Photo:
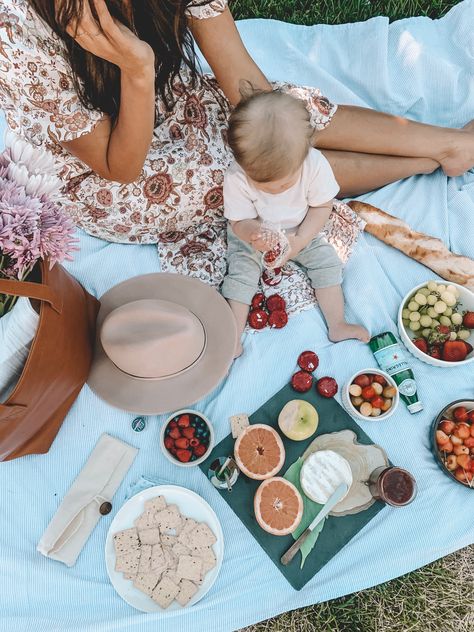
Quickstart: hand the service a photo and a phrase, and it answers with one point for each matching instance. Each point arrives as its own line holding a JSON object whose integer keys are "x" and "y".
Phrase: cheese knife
{"x": 335, "y": 497}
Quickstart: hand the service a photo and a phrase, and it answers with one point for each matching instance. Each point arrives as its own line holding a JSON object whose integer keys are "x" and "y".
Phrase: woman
{"x": 111, "y": 88}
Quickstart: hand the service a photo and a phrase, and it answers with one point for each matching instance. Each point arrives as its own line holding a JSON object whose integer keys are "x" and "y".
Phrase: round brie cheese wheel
{"x": 322, "y": 473}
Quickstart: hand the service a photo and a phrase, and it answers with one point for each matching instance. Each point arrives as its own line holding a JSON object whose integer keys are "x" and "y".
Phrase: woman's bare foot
{"x": 460, "y": 158}
{"x": 345, "y": 331}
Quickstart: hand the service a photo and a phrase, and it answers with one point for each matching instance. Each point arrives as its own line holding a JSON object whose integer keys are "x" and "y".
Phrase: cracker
{"x": 168, "y": 540}
{"x": 158, "y": 561}
{"x": 208, "y": 558}
{"x": 168, "y": 519}
{"x": 238, "y": 423}
{"x": 150, "y": 536}
{"x": 146, "y": 520}
{"x": 187, "y": 590}
{"x": 156, "y": 504}
{"x": 173, "y": 576}
{"x": 201, "y": 536}
{"x": 145, "y": 558}
{"x": 180, "y": 549}
{"x": 146, "y": 582}
{"x": 189, "y": 567}
{"x": 126, "y": 541}
{"x": 183, "y": 534}
{"x": 165, "y": 592}
{"x": 170, "y": 559}
{"x": 186, "y": 525}
{"x": 128, "y": 563}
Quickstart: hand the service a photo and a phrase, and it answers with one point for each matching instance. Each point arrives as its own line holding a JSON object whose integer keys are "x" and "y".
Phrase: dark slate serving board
{"x": 338, "y": 531}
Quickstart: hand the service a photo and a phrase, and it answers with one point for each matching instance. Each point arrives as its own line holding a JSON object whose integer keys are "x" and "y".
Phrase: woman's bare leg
{"x": 368, "y": 131}
{"x": 360, "y": 173}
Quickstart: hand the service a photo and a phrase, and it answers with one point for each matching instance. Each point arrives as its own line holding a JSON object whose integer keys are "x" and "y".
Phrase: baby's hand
{"x": 296, "y": 246}
{"x": 258, "y": 241}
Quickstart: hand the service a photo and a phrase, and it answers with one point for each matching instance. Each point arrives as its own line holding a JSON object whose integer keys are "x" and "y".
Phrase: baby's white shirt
{"x": 315, "y": 186}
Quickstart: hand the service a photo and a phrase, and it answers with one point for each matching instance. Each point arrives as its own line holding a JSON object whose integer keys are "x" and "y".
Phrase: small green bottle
{"x": 391, "y": 359}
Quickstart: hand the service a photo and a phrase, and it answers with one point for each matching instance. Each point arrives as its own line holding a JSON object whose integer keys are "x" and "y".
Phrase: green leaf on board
{"x": 310, "y": 511}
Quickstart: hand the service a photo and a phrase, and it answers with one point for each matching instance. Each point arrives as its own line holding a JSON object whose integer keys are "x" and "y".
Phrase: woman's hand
{"x": 111, "y": 40}
{"x": 117, "y": 150}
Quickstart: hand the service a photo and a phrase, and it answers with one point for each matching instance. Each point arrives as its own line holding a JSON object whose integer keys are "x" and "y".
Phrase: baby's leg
{"x": 241, "y": 282}
{"x": 331, "y": 302}
{"x": 324, "y": 270}
{"x": 241, "y": 312}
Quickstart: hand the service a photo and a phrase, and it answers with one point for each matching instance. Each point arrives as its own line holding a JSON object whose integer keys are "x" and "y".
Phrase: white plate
{"x": 190, "y": 505}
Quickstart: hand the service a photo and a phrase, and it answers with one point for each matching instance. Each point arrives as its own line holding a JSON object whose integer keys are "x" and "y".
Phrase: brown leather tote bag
{"x": 57, "y": 365}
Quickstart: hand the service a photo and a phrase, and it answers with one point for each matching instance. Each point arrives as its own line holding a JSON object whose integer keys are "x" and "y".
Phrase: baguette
{"x": 428, "y": 250}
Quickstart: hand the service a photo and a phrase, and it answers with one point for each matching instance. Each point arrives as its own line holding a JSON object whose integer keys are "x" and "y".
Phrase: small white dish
{"x": 169, "y": 456}
{"x": 192, "y": 506}
{"x": 466, "y": 298}
{"x": 352, "y": 410}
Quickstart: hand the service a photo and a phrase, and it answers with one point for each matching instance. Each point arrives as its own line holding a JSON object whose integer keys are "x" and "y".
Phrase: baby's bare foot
{"x": 460, "y": 158}
{"x": 238, "y": 350}
{"x": 344, "y": 331}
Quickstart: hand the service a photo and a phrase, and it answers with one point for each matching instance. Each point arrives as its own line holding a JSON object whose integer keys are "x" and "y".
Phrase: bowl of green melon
{"x": 436, "y": 323}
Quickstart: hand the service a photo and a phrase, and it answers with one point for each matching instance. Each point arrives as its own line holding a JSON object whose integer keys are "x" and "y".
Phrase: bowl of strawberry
{"x": 436, "y": 323}
{"x": 452, "y": 436}
{"x": 187, "y": 437}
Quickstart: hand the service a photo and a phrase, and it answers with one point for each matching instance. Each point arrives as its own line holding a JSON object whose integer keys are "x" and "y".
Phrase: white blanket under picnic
{"x": 420, "y": 68}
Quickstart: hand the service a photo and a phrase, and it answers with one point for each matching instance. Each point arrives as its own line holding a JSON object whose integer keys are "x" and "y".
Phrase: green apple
{"x": 298, "y": 419}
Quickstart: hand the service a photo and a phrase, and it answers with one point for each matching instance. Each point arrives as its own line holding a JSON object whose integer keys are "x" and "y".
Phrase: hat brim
{"x": 151, "y": 397}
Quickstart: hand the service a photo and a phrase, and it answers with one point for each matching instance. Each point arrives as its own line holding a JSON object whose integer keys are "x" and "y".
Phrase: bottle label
{"x": 391, "y": 359}
{"x": 407, "y": 388}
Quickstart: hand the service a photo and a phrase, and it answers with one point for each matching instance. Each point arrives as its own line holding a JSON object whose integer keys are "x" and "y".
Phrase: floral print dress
{"x": 177, "y": 201}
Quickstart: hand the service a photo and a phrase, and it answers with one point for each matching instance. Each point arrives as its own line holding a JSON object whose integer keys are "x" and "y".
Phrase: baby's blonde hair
{"x": 269, "y": 134}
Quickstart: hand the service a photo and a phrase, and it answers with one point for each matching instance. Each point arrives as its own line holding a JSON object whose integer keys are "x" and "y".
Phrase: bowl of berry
{"x": 452, "y": 437}
{"x": 187, "y": 437}
{"x": 370, "y": 394}
{"x": 436, "y": 323}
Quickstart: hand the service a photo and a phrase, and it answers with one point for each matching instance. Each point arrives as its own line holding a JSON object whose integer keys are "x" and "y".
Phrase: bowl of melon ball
{"x": 370, "y": 395}
{"x": 436, "y": 323}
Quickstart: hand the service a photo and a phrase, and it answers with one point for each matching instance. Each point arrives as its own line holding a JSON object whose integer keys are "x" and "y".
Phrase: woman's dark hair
{"x": 160, "y": 23}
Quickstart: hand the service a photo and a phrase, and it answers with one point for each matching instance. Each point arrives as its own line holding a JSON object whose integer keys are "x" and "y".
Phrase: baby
{"x": 279, "y": 177}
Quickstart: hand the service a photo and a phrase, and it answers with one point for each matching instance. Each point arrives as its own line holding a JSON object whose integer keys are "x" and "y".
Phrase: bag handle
{"x": 32, "y": 290}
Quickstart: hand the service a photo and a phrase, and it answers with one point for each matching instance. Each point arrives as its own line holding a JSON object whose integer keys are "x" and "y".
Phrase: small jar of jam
{"x": 392, "y": 485}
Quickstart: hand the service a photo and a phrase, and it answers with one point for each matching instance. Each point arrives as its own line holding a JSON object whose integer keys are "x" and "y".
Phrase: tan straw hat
{"x": 163, "y": 342}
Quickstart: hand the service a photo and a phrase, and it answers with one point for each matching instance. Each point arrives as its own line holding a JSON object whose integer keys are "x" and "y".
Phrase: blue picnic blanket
{"x": 416, "y": 67}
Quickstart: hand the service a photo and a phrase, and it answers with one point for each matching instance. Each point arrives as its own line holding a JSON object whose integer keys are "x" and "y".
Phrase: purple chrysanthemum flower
{"x": 32, "y": 226}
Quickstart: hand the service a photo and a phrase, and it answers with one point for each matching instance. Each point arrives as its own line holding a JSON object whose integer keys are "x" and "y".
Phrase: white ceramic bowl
{"x": 173, "y": 459}
{"x": 352, "y": 410}
{"x": 466, "y": 298}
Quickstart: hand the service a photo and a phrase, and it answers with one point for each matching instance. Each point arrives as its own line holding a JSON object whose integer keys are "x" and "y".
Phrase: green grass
{"x": 438, "y": 597}
{"x": 337, "y": 11}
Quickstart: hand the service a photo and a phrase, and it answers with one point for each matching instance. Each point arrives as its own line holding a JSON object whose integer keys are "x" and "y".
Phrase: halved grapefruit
{"x": 278, "y": 506}
{"x": 259, "y": 452}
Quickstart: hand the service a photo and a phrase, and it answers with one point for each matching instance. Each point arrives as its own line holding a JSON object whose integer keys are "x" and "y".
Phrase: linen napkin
{"x": 79, "y": 512}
